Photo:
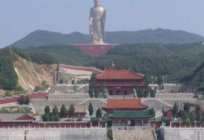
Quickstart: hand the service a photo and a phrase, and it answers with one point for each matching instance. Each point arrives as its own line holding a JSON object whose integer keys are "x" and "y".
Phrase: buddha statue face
{"x": 97, "y": 3}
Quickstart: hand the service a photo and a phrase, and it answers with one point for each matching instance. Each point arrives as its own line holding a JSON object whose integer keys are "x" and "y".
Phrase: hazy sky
{"x": 20, "y": 17}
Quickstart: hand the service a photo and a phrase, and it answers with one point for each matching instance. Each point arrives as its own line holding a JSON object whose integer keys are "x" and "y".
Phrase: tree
{"x": 175, "y": 109}
{"x": 55, "y": 110}
{"x": 46, "y": 117}
{"x": 91, "y": 109}
{"x": 160, "y": 135}
{"x": 187, "y": 118}
{"x": 103, "y": 91}
{"x": 23, "y": 100}
{"x": 152, "y": 93}
{"x": 199, "y": 116}
{"x": 55, "y": 114}
{"x": 152, "y": 112}
{"x": 52, "y": 117}
{"x": 140, "y": 93}
{"x": 160, "y": 81}
{"x": 98, "y": 113}
{"x": 56, "y": 117}
{"x": 110, "y": 134}
{"x": 19, "y": 90}
{"x": 147, "y": 79}
{"x": 146, "y": 92}
{"x": 27, "y": 100}
{"x": 188, "y": 121}
{"x": 91, "y": 92}
{"x": 47, "y": 110}
{"x": 197, "y": 108}
{"x": 93, "y": 79}
{"x": 187, "y": 107}
{"x": 71, "y": 110}
{"x": 63, "y": 110}
{"x": 96, "y": 93}
{"x": 42, "y": 87}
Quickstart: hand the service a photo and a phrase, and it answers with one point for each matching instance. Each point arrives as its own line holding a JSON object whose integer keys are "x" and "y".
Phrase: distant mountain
{"x": 45, "y": 38}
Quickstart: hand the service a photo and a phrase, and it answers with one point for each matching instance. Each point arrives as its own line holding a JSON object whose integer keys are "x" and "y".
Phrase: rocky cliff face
{"x": 32, "y": 74}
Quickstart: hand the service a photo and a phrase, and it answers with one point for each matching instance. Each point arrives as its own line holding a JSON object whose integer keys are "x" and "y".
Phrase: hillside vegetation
{"x": 8, "y": 77}
{"x": 17, "y": 73}
{"x": 195, "y": 80}
{"x": 46, "y": 38}
{"x": 170, "y": 61}
{"x": 56, "y": 54}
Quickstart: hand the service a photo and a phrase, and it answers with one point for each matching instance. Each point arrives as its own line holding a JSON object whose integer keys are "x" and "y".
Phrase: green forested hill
{"x": 165, "y": 36}
{"x": 57, "y": 54}
{"x": 174, "y": 62}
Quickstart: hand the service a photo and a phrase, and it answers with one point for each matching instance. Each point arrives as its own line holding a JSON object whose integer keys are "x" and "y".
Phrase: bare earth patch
{"x": 31, "y": 74}
{"x": 2, "y": 93}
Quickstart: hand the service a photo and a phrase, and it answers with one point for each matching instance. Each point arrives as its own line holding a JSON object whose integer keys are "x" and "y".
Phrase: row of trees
{"x": 91, "y": 111}
{"x": 141, "y": 93}
{"x": 51, "y": 115}
{"x": 187, "y": 114}
{"x": 147, "y": 92}
{"x": 156, "y": 79}
{"x": 55, "y": 115}
{"x": 97, "y": 93}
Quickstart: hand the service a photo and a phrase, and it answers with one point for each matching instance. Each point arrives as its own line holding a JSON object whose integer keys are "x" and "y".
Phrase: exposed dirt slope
{"x": 32, "y": 74}
{"x": 1, "y": 92}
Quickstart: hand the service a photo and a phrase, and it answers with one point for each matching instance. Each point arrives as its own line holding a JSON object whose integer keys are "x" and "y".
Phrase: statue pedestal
{"x": 94, "y": 50}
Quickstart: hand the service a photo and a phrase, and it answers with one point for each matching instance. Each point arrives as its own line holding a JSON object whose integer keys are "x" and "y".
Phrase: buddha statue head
{"x": 97, "y": 3}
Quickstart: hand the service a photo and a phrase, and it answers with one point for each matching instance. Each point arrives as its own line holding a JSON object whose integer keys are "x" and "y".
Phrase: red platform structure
{"x": 94, "y": 50}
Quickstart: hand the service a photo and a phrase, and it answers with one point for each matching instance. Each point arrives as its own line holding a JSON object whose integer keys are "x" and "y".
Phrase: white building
{"x": 68, "y": 74}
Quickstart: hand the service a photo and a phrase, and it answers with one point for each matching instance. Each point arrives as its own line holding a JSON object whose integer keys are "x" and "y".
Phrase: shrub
{"x": 23, "y": 100}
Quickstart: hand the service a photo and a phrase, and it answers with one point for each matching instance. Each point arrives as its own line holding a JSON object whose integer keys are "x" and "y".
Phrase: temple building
{"x": 128, "y": 112}
{"x": 119, "y": 82}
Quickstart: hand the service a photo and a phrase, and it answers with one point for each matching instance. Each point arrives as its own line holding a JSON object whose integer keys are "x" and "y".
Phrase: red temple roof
{"x": 25, "y": 117}
{"x": 114, "y": 74}
{"x": 125, "y": 104}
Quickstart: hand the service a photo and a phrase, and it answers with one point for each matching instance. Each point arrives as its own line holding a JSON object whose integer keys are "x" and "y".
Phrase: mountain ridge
{"x": 165, "y": 36}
